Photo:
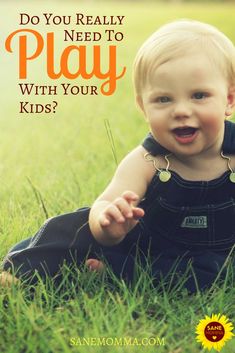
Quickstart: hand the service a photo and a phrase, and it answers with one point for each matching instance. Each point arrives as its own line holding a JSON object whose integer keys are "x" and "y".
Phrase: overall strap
{"x": 152, "y": 146}
{"x": 229, "y": 138}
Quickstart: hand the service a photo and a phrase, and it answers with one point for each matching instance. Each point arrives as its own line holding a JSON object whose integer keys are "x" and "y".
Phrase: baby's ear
{"x": 230, "y": 101}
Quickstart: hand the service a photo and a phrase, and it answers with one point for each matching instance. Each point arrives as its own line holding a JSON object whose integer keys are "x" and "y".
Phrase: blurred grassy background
{"x": 67, "y": 157}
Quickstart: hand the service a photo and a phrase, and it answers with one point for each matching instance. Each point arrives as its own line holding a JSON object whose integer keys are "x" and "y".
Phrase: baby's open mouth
{"x": 185, "y": 131}
{"x": 185, "y": 134}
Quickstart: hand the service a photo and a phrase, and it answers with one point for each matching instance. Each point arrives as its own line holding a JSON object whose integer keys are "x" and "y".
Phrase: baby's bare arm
{"x": 116, "y": 210}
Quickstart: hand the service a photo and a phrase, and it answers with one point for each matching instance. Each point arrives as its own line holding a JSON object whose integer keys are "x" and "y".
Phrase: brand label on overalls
{"x": 194, "y": 222}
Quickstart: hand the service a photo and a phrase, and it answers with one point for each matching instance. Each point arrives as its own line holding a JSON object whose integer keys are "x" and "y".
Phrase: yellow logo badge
{"x": 214, "y": 331}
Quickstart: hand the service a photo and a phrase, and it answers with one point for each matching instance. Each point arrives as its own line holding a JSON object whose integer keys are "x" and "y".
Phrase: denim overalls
{"x": 188, "y": 227}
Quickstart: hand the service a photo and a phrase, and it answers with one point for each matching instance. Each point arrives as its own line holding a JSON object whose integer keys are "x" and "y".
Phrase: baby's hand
{"x": 120, "y": 216}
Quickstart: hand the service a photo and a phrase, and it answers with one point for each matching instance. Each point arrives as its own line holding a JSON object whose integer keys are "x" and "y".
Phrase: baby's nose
{"x": 181, "y": 110}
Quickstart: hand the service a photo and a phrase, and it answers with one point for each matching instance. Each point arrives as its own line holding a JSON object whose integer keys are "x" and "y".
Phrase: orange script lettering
{"x": 110, "y": 76}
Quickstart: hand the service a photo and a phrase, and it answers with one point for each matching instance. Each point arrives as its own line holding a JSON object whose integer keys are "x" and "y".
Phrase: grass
{"x": 52, "y": 165}
{"x": 87, "y": 305}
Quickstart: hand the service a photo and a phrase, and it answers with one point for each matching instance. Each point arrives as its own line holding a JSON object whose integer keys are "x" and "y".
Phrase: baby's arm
{"x": 115, "y": 212}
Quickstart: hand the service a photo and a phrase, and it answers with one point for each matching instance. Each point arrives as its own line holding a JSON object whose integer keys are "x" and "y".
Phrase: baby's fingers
{"x": 137, "y": 212}
{"x": 130, "y": 196}
{"x": 124, "y": 207}
{"x": 111, "y": 213}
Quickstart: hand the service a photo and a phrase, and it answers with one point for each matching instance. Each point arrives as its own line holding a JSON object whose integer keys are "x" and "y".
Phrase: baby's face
{"x": 185, "y": 104}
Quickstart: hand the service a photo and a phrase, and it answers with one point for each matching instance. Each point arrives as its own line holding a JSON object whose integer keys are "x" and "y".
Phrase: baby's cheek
{"x": 214, "y": 121}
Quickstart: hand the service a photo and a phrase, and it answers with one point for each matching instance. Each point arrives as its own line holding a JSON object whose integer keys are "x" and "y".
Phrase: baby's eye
{"x": 200, "y": 95}
{"x": 163, "y": 99}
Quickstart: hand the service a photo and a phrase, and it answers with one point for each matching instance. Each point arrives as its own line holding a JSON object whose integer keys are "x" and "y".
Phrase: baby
{"x": 172, "y": 199}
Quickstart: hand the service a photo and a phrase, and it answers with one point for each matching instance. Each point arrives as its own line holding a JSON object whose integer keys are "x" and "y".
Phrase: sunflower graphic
{"x": 214, "y": 331}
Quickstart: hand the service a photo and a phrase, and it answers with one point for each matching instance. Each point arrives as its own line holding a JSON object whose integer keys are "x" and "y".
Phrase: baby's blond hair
{"x": 178, "y": 38}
